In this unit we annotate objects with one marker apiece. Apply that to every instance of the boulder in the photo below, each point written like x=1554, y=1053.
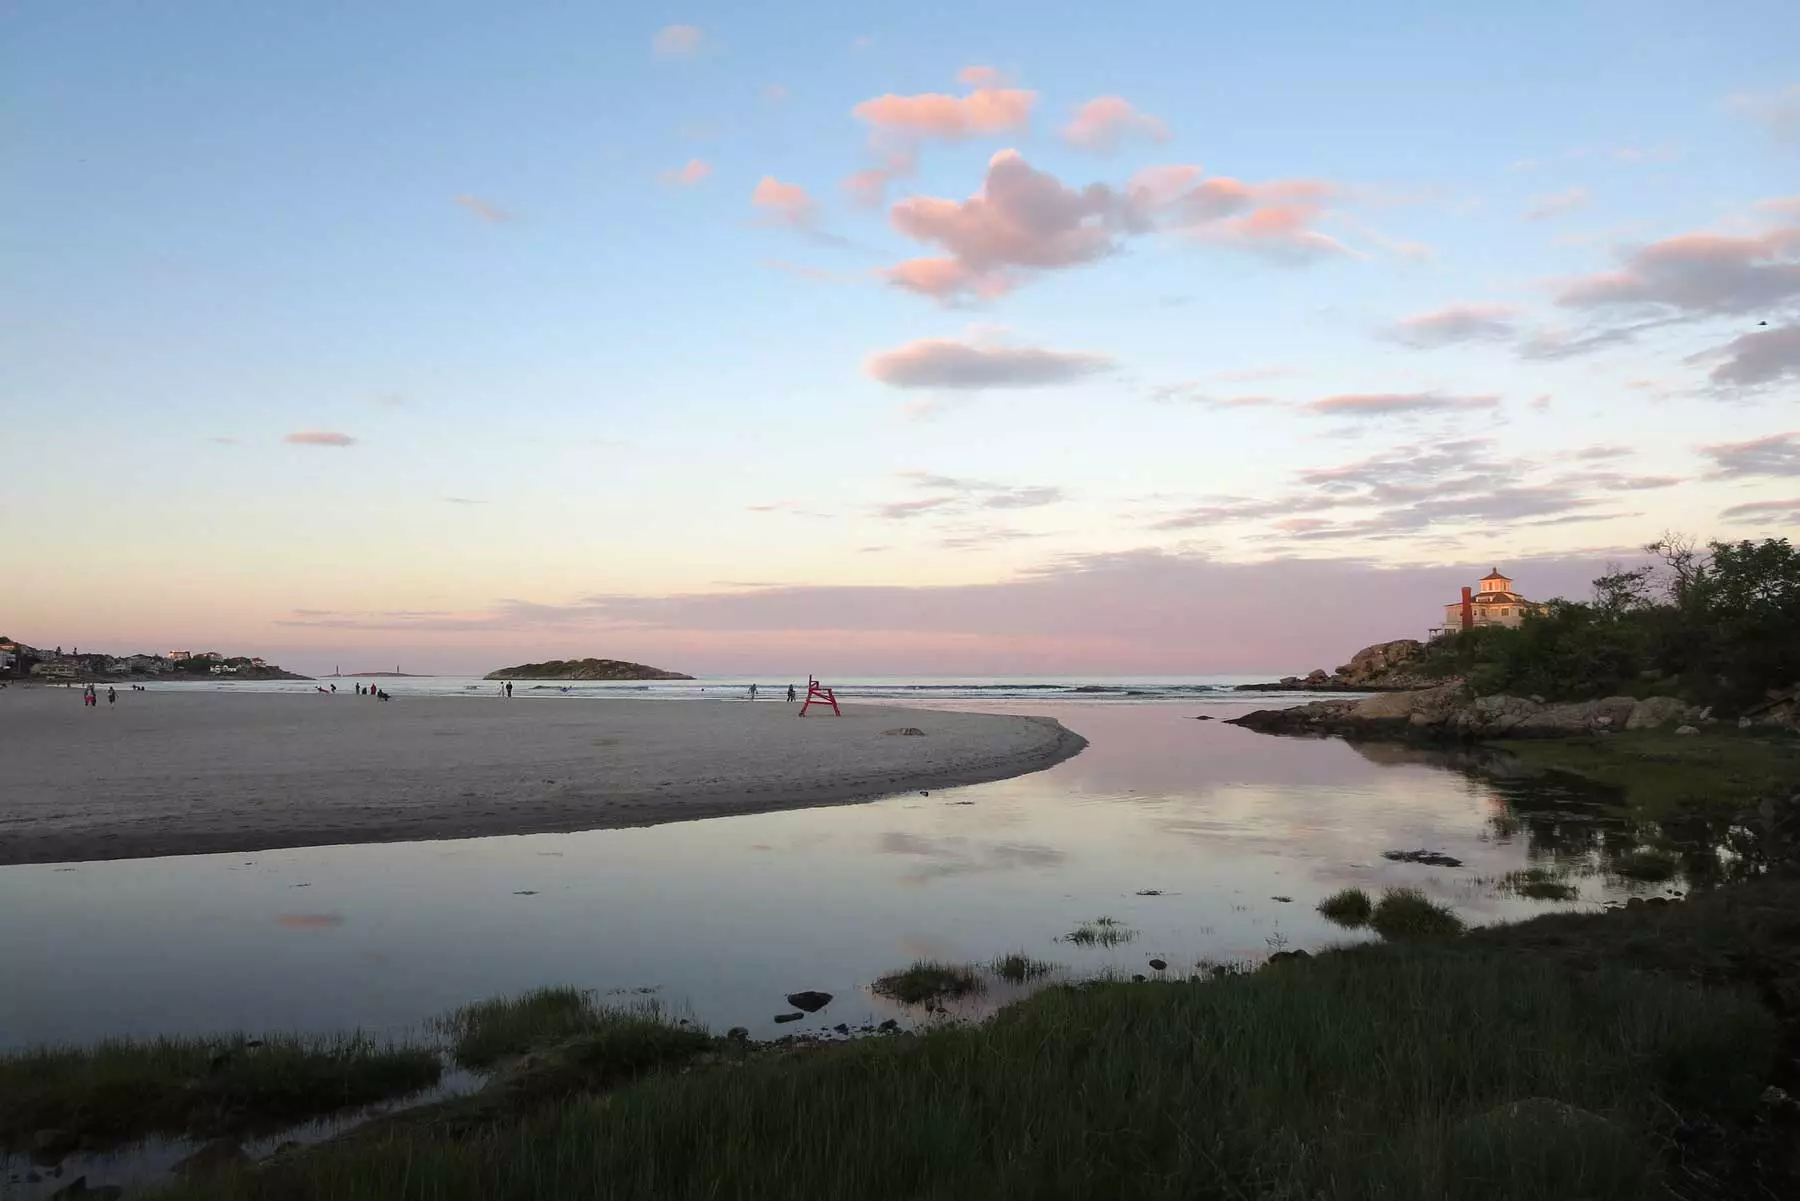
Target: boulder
x=809, y=1001
x=1687, y=729
x=1371, y=662
x=782, y=1018
x=1653, y=712
x=1318, y=675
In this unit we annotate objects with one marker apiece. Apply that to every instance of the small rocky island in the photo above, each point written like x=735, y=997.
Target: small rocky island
x=584, y=669
x=1384, y=667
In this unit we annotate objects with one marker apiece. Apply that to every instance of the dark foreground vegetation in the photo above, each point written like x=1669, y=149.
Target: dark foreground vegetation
x=1445, y=1070
x=1713, y=626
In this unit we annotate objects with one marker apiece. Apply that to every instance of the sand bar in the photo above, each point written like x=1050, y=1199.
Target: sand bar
x=172, y=772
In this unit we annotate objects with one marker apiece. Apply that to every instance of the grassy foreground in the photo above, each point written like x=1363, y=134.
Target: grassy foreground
x=1426, y=1071
x=1663, y=774
x=121, y=1090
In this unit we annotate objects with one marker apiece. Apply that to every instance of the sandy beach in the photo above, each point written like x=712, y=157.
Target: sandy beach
x=169, y=773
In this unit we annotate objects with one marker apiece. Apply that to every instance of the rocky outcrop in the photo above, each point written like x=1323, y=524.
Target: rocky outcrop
x=1383, y=667
x=1449, y=712
x=584, y=669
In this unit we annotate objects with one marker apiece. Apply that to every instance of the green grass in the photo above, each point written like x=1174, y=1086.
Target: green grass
x=1647, y=865
x=1348, y=907
x=929, y=980
x=1019, y=968
x=1662, y=774
x=1407, y=913
x=592, y=1038
x=122, y=1090
x=1392, y=1073
x=1539, y=884
x=1102, y=931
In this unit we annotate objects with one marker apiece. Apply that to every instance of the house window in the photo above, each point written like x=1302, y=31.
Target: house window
x=1506, y=612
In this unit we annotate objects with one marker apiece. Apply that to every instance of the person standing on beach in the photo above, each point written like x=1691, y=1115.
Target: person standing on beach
x=790, y=699
x=112, y=698
x=509, y=690
x=753, y=692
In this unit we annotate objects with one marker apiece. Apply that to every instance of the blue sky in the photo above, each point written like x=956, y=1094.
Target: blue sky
x=541, y=379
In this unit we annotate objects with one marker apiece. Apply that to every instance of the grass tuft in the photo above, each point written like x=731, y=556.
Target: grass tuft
x=1539, y=884
x=1407, y=913
x=123, y=1089
x=1102, y=931
x=1018, y=967
x=1393, y=1072
x=1347, y=907
x=929, y=980
x=636, y=1036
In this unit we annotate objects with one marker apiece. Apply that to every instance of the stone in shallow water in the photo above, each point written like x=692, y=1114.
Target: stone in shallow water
x=789, y=1017
x=809, y=1001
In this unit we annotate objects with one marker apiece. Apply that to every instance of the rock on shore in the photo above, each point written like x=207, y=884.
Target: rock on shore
x=1383, y=667
x=1449, y=711
x=584, y=669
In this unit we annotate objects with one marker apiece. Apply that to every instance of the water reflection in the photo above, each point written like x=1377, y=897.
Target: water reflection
x=1182, y=830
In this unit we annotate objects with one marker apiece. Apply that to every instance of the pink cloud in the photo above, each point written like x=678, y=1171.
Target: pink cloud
x=483, y=210
x=1105, y=121
x=1275, y=218
x=941, y=363
x=677, y=41
x=1455, y=323
x=1545, y=207
x=691, y=173
x=785, y=203
x=1753, y=360
x=868, y=187
x=1386, y=404
x=946, y=279
x=319, y=438
x=988, y=109
x=1021, y=218
x=1698, y=275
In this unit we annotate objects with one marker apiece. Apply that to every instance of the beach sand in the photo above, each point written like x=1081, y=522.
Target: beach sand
x=171, y=772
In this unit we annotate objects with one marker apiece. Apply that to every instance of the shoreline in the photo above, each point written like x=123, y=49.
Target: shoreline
x=211, y=773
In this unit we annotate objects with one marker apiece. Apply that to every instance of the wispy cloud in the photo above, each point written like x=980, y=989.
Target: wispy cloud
x=1557, y=204
x=1454, y=324
x=1387, y=404
x=1104, y=122
x=678, y=41
x=482, y=209
x=943, y=363
x=319, y=438
x=1775, y=456
x=690, y=173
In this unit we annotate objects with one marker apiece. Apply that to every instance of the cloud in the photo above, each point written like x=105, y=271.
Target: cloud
x=691, y=173
x=484, y=210
x=785, y=204
x=1602, y=450
x=319, y=438
x=678, y=41
x=1274, y=218
x=1387, y=404
x=818, y=275
x=902, y=510
x=1194, y=393
x=1755, y=359
x=224, y=441
x=942, y=363
x=987, y=110
x=1455, y=324
x=1105, y=121
x=463, y=500
x=984, y=494
x=1777, y=455
x=868, y=187
x=1765, y=512
x=1697, y=275
x=1555, y=205
x=1779, y=110
x=1022, y=218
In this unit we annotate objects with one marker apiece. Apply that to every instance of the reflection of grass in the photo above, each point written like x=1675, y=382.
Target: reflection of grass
x=928, y=980
x=1407, y=913
x=628, y=1038
x=1102, y=931
x=1648, y=865
x=1539, y=884
x=1093, y=1091
x=1347, y=907
x=1018, y=967
x=123, y=1089
x=1662, y=773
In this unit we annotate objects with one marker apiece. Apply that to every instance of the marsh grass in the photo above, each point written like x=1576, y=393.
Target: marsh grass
x=1721, y=768
x=1539, y=884
x=1650, y=866
x=1403, y=1073
x=125, y=1089
x=1407, y=913
x=929, y=980
x=1102, y=931
x=1347, y=907
x=631, y=1037
x=1019, y=968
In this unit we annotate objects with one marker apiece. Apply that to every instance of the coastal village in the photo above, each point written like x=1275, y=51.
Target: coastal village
x=19, y=661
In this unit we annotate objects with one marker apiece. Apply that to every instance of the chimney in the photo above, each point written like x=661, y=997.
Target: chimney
x=1468, y=611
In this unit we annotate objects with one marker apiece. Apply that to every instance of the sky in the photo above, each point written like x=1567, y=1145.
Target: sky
x=939, y=339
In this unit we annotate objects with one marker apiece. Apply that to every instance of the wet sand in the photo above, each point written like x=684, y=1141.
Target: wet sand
x=171, y=773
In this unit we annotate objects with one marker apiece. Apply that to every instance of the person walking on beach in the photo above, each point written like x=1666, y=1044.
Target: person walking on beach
x=753, y=692
x=790, y=699
x=112, y=698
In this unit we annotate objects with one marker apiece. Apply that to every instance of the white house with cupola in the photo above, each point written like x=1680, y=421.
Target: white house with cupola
x=1492, y=602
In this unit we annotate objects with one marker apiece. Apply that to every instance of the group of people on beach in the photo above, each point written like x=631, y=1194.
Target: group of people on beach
x=90, y=696
x=751, y=694
x=367, y=690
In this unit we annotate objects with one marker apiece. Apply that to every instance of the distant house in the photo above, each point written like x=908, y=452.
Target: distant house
x=179, y=656
x=259, y=662
x=1492, y=602
x=215, y=656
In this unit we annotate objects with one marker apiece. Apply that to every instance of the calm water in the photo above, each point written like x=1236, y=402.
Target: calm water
x=722, y=918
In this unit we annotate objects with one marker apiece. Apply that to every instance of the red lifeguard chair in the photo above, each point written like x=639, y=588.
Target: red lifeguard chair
x=818, y=694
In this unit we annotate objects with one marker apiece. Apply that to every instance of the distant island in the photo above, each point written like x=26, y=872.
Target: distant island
x=584, y=669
